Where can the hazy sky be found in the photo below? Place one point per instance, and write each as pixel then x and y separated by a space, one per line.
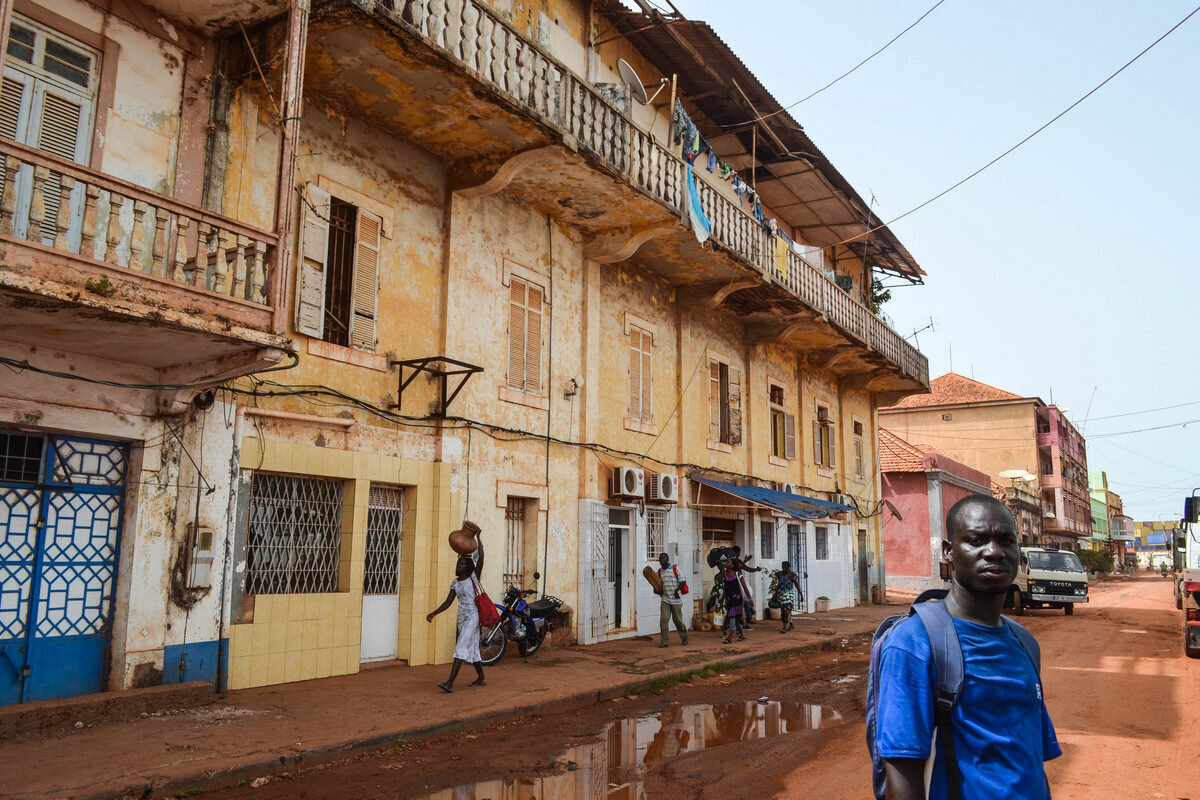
pixel 1067 269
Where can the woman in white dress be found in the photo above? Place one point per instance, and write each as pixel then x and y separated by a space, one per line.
pixel 466 649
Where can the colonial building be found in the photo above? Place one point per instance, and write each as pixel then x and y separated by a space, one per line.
pixel 293 291
pixel 920 485
pixel 1003 434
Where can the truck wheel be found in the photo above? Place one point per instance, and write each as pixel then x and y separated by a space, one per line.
pixel 1018 603
pixel 1069 608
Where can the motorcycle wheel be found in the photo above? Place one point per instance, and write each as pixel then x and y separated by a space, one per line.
pixel 492 644
pixel 531 643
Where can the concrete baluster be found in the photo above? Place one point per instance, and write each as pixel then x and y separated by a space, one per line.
pixel 498 54
pixel 183 269
pixel 62 225
pixel 114 236
pixel 484 42
pixel 258 280
pixel 137 238
pixel 239 266
pixel 89 227
pixel 158 249
pixel 8 201
pixel 454 42
pixel 37 203
pixel 200 269
pixel 437 22
pixel 470 36
pixel 221 260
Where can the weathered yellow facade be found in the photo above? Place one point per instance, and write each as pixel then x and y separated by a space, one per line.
pixel 475 247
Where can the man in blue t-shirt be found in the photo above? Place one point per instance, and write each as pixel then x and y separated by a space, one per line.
pixel 1002 733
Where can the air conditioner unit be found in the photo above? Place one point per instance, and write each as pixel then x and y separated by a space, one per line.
pixel 823 416
pixel 628 482
pixel 844 499
pixel 662 488
pixel 788 488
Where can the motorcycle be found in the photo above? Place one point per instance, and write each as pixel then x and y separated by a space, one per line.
pixel 520 621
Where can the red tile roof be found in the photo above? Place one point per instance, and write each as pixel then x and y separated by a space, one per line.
pixel 954 388
pixel 897 455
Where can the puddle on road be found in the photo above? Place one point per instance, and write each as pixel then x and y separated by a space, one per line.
pixel 629 746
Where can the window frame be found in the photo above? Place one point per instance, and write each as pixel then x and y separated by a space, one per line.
pixel 824 437
pixel 529 381
pixel 820 543
pixel 641 374
pixel 766 539
pixel 859 450
pixel 656 532
pixel 264 575
pixel 724 403
pixel 782 429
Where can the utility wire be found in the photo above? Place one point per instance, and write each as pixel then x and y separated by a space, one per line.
pixel 1052 120
pixel 762 117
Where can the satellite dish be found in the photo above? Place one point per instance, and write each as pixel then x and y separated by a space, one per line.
pixel 1029 477
pixel 1013 473
pixel 630 76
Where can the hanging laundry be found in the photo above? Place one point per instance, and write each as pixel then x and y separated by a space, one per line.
pixel 725 172
pixel 692 210
pixel 679 123
pixel 781 255
pixel 758 210
pixel 712 160
pixel 739 188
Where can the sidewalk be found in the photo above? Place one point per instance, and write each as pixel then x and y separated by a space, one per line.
pixel 252 732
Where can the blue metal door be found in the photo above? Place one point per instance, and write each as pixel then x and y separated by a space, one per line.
pixel 60 526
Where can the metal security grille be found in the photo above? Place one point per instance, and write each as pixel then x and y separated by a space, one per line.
pixel 798 555
pixel 60 523
pixel 599 569
pixel 385 520
pixel 514 540
pixel 656 532
pixel 294 541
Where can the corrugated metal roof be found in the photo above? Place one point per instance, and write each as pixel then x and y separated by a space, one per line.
pixel 795 505
pixel 793 177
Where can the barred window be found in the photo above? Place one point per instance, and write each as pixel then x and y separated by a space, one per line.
pixel 822 543
pixel 295 532
pixel 514 545
pixel 766 539
pixel 656 532
pixel 385 518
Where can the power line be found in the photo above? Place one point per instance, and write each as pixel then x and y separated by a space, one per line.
pixel 1148 410
pixel 1183 424
pixel 1052 120
pixel 762 117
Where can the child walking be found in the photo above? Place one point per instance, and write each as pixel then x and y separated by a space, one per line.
pixel 466 648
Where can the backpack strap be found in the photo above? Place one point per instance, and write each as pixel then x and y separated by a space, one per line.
pixel 948 680
pixel 1032 649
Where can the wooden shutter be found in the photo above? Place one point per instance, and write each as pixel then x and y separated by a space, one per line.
pixel 366 280
pixel 714 401
pixel 516 335
pixel 647 380
pixel 817 447
pixel 314 252
pixel 635 373
pixel 12 100
pixel 860 467
pixel 533 341
pixel 789 436
pixel 735 406
pixel 831 441
pixel 59 132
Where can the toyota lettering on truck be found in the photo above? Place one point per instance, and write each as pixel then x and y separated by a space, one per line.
pixel 1049 578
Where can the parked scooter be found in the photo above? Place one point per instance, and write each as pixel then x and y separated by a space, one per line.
pixel 523 622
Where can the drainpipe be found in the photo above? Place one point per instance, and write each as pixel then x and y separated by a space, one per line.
pixel 291 105
pixel 549 395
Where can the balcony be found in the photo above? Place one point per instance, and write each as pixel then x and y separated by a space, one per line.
pixel 97 266
pixel 505 115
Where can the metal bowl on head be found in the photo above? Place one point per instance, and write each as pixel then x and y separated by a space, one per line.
pixel 465 540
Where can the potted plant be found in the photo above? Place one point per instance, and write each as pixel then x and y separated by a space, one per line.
pixel 822 603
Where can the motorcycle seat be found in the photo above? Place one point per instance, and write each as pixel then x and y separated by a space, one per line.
pixel 543 606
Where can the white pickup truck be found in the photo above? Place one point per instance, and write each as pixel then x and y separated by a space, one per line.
pixel 1049 578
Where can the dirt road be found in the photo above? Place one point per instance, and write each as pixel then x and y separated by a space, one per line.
pixel 1124 699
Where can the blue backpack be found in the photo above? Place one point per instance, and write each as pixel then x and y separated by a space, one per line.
pixel 948 679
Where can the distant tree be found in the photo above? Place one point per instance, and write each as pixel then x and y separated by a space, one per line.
pixel 1098 561
pixel 879 295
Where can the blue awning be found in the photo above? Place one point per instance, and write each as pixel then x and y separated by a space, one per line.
pixel 794 505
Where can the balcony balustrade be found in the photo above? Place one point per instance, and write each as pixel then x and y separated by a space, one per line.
pixel 56 204
pixel 471 34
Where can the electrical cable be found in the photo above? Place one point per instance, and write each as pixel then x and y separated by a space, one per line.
pixel 1052 120
pixel 763 117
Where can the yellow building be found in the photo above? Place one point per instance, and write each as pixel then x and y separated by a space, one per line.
pixel 491 287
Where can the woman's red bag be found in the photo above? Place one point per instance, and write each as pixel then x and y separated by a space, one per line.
pixel 488 615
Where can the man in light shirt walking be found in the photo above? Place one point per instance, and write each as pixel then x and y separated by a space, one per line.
pixel 673 590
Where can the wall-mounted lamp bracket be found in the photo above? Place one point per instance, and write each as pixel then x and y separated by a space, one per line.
pixel 439 368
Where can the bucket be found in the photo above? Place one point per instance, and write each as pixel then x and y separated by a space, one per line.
pixel 718 619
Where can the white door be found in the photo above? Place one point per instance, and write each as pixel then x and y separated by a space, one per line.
pixel 381 574
pixel 617 597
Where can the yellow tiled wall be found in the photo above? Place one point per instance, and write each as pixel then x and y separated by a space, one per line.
pixel 299 637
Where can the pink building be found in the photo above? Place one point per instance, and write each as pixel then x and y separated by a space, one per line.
pixel 920 485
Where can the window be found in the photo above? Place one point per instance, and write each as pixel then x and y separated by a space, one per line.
pixel 525 336
pixel 766 538
pixel 783 425
pixel 295 535
pixel 724 403
pixel 514 541
pixel 385 521
pixel 822 543
pixel 824 446
pixel 860 461
pixel 337 285
pixel 656 532
pixel 47 101
pixel 640 349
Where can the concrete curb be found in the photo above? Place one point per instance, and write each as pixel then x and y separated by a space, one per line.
pixel 218 779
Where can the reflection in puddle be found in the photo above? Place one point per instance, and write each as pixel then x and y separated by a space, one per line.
pixel 627 746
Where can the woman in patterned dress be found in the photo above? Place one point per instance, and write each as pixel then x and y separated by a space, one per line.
pixel 788 594
pixel 466 649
